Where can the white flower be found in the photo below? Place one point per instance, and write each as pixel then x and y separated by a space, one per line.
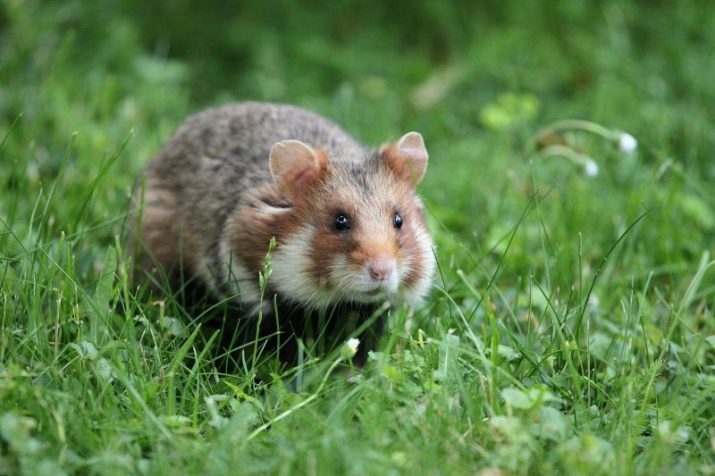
pixel 627 143
pixel 350 348
pixel 590 168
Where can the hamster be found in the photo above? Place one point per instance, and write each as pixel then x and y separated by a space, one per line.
pixel 349 227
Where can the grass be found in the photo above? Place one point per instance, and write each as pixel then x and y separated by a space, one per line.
pixel 570 329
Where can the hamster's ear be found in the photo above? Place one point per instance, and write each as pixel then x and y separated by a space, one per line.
pixel 407 157
pixel 294 166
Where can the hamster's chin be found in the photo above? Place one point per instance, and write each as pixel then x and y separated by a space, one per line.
pixel 376 295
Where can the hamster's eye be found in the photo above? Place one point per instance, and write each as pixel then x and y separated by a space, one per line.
pixel 397 221
pixel 342 222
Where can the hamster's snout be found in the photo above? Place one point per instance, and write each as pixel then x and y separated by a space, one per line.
pixel 381 267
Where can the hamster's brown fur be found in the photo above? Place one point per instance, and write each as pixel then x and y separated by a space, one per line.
pixel 349 227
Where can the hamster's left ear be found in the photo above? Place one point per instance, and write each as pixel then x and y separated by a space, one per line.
pixel 295 166
pixel 407 158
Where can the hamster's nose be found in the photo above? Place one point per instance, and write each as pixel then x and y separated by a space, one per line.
pixel 381 267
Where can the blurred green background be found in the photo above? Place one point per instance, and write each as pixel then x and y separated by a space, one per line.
pixel 89 90
pixel 478 79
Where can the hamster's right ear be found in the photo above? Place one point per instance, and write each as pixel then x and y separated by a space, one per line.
pixel 295 166
pixel 407 157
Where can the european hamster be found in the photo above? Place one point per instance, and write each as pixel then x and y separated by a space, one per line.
pixel 349 227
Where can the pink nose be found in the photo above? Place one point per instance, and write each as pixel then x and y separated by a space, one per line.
pixel 381 267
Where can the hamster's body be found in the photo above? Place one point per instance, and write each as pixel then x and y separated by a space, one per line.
pixel 348 225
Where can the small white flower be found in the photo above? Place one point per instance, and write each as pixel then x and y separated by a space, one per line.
pixel 350 348
pixel 627 143
pixel 590 168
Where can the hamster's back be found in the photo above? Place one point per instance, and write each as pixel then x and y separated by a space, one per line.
pixel 235 140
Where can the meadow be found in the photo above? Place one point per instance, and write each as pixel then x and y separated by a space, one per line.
pixel 571 327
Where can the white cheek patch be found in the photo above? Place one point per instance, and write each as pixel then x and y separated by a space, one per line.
pixel 238 279
pixel 348 280
pixel 425 254
pixel 291 265
pixel 342 278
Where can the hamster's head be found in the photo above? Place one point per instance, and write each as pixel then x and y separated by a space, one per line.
pixel 355 230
